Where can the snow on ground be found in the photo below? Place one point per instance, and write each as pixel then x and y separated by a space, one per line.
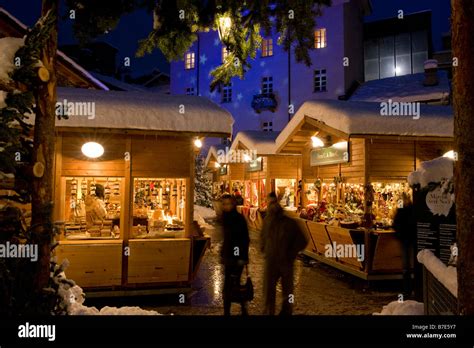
pixel 408 307
pixel 202 213
pixel 73 297
pixel 445 275
pixel 432 171
pixel 8 48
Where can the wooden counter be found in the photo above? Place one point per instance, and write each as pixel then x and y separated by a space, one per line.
pixel 93 263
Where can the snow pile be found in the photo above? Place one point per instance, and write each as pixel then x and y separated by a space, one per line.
pixel 202 213
pixel 8 48
pixel 445 275
pixel 73 297
pixel 432 171
pixel 403 308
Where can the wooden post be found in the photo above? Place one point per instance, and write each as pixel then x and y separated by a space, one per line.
pixel 126 215
pixel 43 153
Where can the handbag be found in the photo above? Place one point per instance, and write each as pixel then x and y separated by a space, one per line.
pixel 243 292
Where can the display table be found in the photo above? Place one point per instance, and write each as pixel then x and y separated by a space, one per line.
pixel 381 249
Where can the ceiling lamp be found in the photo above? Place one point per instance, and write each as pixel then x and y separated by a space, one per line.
pixel 92 149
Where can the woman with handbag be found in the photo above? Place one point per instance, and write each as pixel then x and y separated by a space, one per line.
pixel 234 254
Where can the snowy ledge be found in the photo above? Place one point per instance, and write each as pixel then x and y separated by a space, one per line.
pixel 445 275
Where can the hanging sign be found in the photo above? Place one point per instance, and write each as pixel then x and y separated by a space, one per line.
pixel 329 155
pixel 255 165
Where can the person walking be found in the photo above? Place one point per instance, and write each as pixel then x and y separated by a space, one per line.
pixel 281 241
pixel 235 250
pixel 404 224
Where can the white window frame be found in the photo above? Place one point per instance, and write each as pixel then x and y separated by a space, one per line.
pixel 267 85
pixel 320 82
pixel 267 126
pixel 227 93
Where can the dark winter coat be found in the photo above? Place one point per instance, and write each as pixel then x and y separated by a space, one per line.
pixel 236 242
pixel 404 224
pixel 281 238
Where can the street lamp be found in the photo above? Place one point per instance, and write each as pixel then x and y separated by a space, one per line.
pixel 224 23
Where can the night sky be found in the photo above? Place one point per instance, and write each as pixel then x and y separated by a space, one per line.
pixel 137 26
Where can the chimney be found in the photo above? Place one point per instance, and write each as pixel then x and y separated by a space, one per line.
pixel 431 73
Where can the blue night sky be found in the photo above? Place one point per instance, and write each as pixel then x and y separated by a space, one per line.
pixel 137 26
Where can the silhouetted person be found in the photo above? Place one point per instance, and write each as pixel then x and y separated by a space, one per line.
pixel 235 249
pixel 404 224
pixel 281 241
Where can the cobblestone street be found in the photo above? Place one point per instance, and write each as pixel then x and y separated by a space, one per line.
pixel 319 289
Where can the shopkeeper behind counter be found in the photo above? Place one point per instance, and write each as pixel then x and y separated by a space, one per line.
pixel 95 206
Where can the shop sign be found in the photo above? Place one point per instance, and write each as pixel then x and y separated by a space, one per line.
pixel 255 166
pixel 329 155
pixel 223 170
pixel 439 202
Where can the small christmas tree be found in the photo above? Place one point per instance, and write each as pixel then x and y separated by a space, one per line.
pixel 202 184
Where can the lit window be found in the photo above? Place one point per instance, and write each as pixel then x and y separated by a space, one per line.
pixel 267 126
pixel 267 85
pixel 190 91
pixel 267 47
pixel 227 93
pixel 225 54
pixel 189 60
pixel 320 38
pixel 320 81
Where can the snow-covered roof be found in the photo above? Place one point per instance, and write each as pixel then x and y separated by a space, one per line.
pixel 406 88
pixel 146 111
pixel 61 55
pixel 212 153
pixel 364 118
pixel 112 81
pixel 82 70
pixel 260 141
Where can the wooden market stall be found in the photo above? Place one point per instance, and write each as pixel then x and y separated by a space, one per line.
pixel 264 172
pixel 355 164
pixel 124 201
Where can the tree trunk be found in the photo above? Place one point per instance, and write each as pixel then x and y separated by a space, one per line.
pixel 463 100
pixel 42 195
